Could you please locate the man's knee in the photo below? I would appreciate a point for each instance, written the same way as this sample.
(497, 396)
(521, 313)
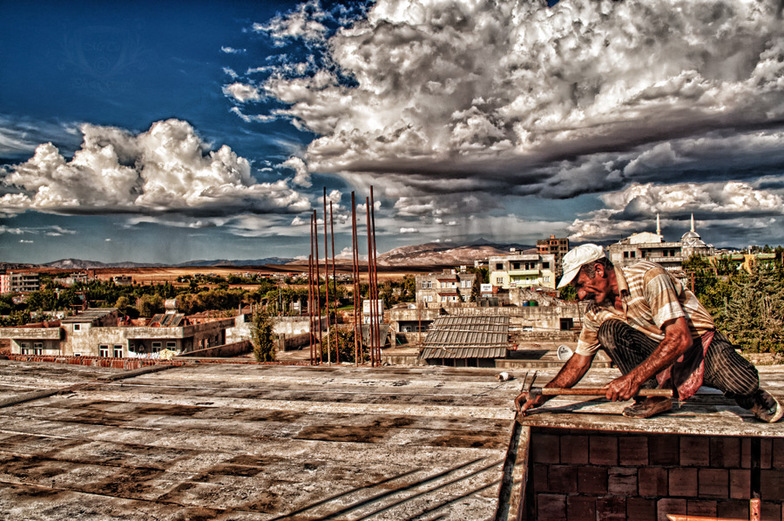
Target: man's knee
(613, 334)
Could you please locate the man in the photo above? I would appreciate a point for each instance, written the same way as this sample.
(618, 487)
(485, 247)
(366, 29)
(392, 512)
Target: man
(657, 333)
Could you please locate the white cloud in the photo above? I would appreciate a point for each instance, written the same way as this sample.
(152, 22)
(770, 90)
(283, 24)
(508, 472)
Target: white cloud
(305, 22)
(242, 92)
(722, 204)
(232, 50)
(580, 97)
(409, 230)
(302, 176)
(165, 169)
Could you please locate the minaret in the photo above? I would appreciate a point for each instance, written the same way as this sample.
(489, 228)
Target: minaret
(692, 222)
(658, 225)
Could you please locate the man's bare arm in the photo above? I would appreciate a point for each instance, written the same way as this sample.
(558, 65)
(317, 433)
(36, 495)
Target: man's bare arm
(571, 373)
(677, 340)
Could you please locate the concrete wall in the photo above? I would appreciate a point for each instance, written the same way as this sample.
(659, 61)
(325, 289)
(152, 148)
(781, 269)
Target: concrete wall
(587, 475)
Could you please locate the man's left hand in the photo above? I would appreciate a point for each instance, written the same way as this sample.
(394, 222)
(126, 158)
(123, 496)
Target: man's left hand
(623, 388)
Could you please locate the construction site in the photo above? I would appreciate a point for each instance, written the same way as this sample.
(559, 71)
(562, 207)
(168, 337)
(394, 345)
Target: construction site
(262, 442)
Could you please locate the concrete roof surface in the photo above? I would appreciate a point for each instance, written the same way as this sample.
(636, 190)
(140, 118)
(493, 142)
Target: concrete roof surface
(253, 442)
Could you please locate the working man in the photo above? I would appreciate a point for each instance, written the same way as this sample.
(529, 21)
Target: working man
(657, 333)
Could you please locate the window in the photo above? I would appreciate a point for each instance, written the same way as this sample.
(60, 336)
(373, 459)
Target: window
(77, 327)
(104, 351)
(545, 265)
(38, 348)
(546, 278)
(171, 345)
(118, 351)
(499, 281)
(156, 347)
(499, 267)
(633, 254)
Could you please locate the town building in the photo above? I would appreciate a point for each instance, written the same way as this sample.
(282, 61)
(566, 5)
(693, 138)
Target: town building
(652, 247)
(15, 282)
(558, 247)
(443, 289)
(523, 270)
(103, 332)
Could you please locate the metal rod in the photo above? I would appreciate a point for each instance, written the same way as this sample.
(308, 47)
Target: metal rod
(355, 273)
(334, 282)
(370, 284)
(326, 276)
(377, 337)
(318, 284)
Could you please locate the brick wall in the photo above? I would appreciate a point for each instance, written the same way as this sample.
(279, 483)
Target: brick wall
(599, 476)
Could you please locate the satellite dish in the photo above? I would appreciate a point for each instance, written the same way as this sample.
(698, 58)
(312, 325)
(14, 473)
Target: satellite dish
(564, 353)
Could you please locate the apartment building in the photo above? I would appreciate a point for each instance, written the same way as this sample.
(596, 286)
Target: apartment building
(523, 270)
(558, 247)
(15, 282)
(444, 289)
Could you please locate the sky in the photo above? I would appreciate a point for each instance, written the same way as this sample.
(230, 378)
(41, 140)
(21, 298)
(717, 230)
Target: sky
(171, 131)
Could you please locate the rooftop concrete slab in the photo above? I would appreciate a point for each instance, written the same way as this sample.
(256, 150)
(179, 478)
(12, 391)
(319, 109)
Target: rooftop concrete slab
(253, 442)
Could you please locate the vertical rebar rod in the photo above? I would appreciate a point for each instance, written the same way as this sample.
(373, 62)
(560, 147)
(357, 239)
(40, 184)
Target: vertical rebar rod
(310, 294)
(318, 284)
(326, 276)
(334, 282)
(355, 273)
(370, 286)
(375, 277)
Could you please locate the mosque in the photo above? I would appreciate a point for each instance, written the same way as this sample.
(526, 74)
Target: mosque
(652, 246)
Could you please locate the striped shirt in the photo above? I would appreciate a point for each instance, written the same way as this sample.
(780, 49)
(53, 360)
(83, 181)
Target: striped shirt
(651, 297)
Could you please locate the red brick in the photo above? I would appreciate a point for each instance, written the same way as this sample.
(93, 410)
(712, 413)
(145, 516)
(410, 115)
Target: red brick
(652, 481)
(640, 509)
(770, 511)
(772, 484)
(702, 507)
(611, 508)
(724, 452)
(574, 449)
(745, 453)
(714, 483)
(683, 482)
(778, 453)
(633, 450)
(592, 480)
(663, 450)
(581, 508)
(562, 479)
(733, 509)
(695, 451)
(545, 448)
(622, 481)
(540, 481)
(604, 450)
(740, 483)
(550, 507)
(766, 453)
(670, 506)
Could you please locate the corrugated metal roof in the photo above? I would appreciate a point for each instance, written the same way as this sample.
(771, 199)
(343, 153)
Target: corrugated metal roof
(467, 337)
(464, 352)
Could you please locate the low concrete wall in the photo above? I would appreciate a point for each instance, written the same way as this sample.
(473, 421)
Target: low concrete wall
(95, 361)
(224, 351)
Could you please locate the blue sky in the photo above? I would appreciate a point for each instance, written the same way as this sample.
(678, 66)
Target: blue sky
(173, 131)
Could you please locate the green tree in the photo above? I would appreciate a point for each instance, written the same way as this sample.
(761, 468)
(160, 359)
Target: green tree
(262, 337)
(753, 316)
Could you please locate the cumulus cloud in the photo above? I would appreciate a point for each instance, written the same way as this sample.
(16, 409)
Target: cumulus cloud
(167, 169)
(585, 96)
(732, 206)
(302, 175)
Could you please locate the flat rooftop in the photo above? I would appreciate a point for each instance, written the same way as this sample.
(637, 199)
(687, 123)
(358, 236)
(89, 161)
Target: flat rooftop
(253, 442)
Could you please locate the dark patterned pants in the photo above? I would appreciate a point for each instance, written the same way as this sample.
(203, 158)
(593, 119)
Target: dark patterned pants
(725, 369)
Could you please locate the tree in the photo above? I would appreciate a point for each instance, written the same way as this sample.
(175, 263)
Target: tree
(262, 337)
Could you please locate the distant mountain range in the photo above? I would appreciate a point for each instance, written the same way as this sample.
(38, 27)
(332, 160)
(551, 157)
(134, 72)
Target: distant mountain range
(435, 254)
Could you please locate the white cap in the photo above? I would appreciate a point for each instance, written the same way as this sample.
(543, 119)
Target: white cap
(577, 258)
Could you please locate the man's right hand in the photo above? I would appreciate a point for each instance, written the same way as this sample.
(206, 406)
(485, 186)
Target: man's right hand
(523, 403)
